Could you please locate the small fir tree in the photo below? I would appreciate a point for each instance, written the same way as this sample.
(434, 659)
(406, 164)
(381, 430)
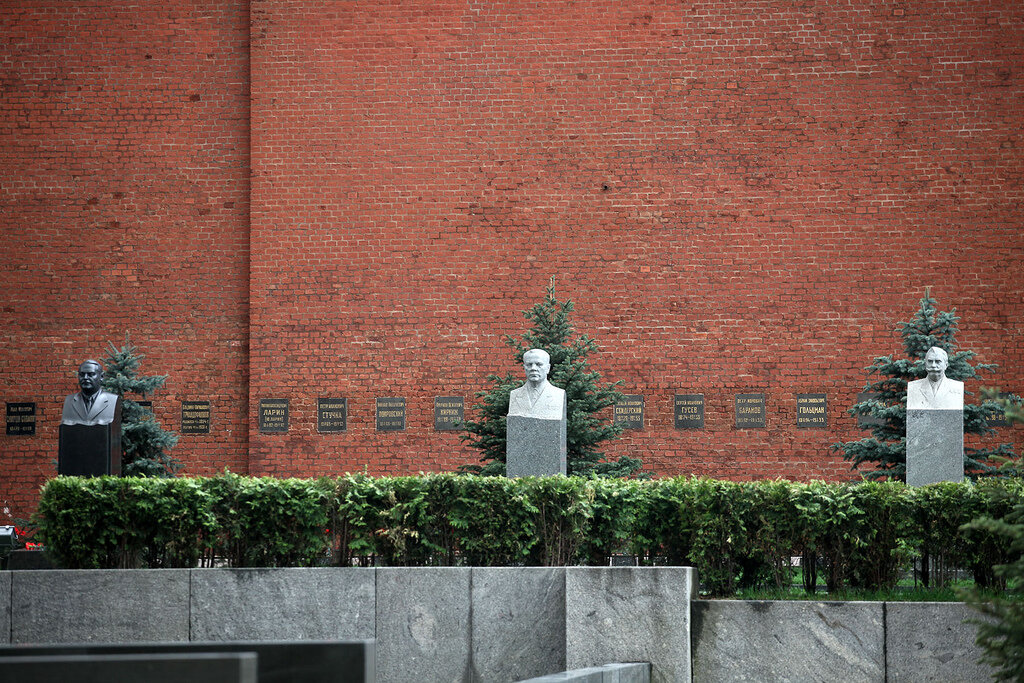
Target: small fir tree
(886, 406)
(1001, 633)
(586, 396)
(144, 443)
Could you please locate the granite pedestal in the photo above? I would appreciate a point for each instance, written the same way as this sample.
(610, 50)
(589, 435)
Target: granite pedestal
(534, 447)
(89, 450)
(935, 446)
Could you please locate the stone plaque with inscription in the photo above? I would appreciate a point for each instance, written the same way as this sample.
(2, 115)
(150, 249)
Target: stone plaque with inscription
(273, 415)
(811, 411)
(689, 411)
(629, 412)
(21, 419)
(390, 414)
(448, 413)
(195, 417)
(331, 415)
(1000, 419)
(749, 411)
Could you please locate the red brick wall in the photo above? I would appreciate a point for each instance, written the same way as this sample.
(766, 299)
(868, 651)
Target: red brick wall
(124, 177)
(737, 197)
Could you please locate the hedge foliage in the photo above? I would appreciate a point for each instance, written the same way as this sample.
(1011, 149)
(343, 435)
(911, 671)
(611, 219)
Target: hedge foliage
(736, 534)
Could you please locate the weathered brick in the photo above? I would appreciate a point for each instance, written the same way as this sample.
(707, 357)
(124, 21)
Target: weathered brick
(362, 201)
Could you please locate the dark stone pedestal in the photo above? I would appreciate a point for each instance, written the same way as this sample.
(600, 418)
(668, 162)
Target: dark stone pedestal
(534, 447)
(90, 450)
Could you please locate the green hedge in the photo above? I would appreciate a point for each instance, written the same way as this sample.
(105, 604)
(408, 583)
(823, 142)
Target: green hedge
(736, 534)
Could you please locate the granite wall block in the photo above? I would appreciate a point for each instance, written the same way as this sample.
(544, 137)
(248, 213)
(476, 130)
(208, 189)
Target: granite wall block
(102, 605)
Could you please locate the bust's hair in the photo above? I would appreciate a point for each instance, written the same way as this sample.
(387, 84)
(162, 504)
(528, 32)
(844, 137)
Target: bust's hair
(91, 362)
(547, 356)
(945, 356)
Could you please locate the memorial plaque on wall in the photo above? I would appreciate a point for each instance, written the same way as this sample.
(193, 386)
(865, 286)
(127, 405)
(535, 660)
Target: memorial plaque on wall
(1000, 419)
(273, 415)
(331, 415)
(868, 421)
(629, 412)
(811, 411)
(749, 411)
(448, 413)
(21, 419)
(689, 411)
(390, 414)
(195, 417)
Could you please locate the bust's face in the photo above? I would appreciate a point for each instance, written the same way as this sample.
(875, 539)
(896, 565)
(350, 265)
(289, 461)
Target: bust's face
(89, 378)
(536, 366)
(935, 363)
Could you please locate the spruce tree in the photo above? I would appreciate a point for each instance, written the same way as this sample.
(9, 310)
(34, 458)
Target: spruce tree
(144, 444)
(586, 396)
(886, 406)
(1001, 633)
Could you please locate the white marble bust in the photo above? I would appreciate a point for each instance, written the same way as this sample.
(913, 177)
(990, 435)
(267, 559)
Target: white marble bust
(935, 392)
(537, 398)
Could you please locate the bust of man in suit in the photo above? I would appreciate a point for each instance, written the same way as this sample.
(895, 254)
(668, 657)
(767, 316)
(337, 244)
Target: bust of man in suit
(91, 405)
(537, 398)
(935, 392)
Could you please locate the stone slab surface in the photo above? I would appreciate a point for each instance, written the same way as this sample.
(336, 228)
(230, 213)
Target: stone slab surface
(630, 614)
(752, 640)
(283, 604)
(534, 447)
(636, 672)
(5, 608)
(518, 622)
(206, 667)
(935, 446)
(99, 605)
(293, 661)
(423, 624)
(929, 641)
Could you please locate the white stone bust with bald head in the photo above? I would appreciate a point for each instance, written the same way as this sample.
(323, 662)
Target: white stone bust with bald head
(936, 391)
(537, 398)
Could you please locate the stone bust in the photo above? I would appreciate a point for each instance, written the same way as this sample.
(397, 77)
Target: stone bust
(91, 405)
(537, 398)
(936, 391)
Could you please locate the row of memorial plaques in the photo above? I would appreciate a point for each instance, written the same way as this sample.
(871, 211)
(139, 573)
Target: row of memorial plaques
(332, 414)
(688, 410)
(195, 417)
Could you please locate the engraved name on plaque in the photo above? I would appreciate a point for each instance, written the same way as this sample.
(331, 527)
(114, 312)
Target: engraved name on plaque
(195, 417)
(629, 412)
(811, 411)
(448, 413)
(331, 415)
(21, 419)
(749, 411)
(273, 415)
(689, 411)
(390, 414)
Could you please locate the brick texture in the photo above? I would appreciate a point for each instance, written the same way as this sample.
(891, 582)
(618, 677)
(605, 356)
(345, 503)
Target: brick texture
(124, 208)
(738, 197)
